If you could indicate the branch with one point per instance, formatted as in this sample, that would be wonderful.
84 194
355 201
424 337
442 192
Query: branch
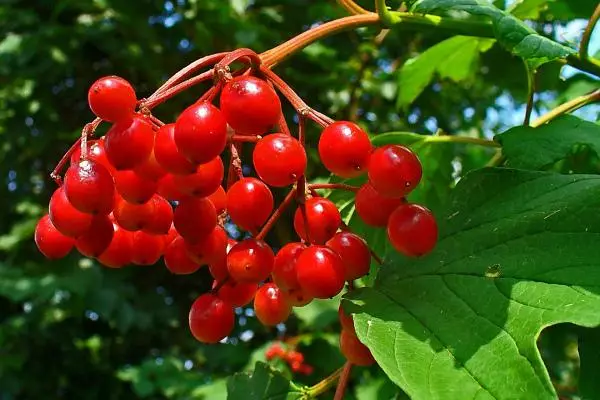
461 139
352 7
386 17
587 34
568 107
531 92
343 382
325 384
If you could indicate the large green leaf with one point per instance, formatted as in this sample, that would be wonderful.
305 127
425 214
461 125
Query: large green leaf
534 148
263 383
456 58
518 252
511 32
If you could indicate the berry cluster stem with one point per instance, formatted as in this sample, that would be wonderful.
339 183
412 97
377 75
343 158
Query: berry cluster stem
587 34
568 107
352 7
338 186
276 215
324 385
343 382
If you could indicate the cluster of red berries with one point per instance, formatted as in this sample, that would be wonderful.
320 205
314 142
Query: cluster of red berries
148 189
293 358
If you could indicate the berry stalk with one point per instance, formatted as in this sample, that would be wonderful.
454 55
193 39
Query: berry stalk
343 382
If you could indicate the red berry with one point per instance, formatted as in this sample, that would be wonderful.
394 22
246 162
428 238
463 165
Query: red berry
323 219
162 217
167 154
97 238
204 181
279 159
177 259
275 350
249 203
133 188
95 152
120 250
394 170
218 269
89 187
112 98
211 248
346 320
373 208
147 248
320 272
219 200
201 132
354 252
150 169
211 319
237 294
412 230
284 268
294 357
250 105
297 298
171 234
345 149
168 189
132 217
195 218
67 219
250 261
51 243
129 142
270 305
354 351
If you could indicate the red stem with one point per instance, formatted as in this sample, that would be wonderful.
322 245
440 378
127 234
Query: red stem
160 97
276 215
343 382
246 138
222 70
190 69
283 126
235 165
339 186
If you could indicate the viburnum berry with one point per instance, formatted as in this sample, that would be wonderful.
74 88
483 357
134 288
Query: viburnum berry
354 351
95 152
133 188
284 268
171 234
249 203
354 252
346 320
210 248
167 154
323 218
51 243
120 250
132 217
279 159
320 272
211 319
168 189
250 105
89 187
150 169
219 200
218 269
129 142
201 132
412 230
67 219
275 351
147 248
195 218
162 217
250 261
344 149
296 297
177 259
237 294
204 181
97 238
373 208
394 170
112 98
270 305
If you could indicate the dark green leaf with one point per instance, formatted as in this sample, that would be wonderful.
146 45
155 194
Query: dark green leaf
263 383
589 358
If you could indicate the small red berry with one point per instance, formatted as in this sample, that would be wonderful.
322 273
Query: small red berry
270 305
412 230
120 250
394 170
51 243
279 159
373 208
162 217
354 252
345 149
346 320
129 142
95 152
147 248
249 203
204 181
284 268
132 217
275 350
195 218
320 272
112 98
237 294
167 154
133 188
211 319
210 248
67 219
323 219
177 259
250 261
354 351
97 238
297 298
219 200
168 189
150 169
218 269
89 187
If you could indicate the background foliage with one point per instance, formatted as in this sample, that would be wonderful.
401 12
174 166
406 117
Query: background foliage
71 329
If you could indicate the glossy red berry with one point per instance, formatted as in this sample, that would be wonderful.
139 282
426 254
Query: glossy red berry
51 243
250 261
95 152
218 269
177 259
249 203
412 230
297 298
97 238
270 305
120 250
344 149
132 217
89 187
373 208
167 154
211 248
67 219
279 159
112 98
129 142
204 181
323 219
346 320
201 132
133 188
394 170
195 218
237 294
211 319
168 189
171 234
147 248
320 272
250 105
284 268
150 169
162 216
354 351
354 252
219 200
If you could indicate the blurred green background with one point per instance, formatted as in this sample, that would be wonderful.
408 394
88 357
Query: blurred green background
71 329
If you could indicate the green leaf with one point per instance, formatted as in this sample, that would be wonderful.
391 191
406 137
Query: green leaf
529 9
589 358
511 32
535 148
456 58
319 313
518 252
263 383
